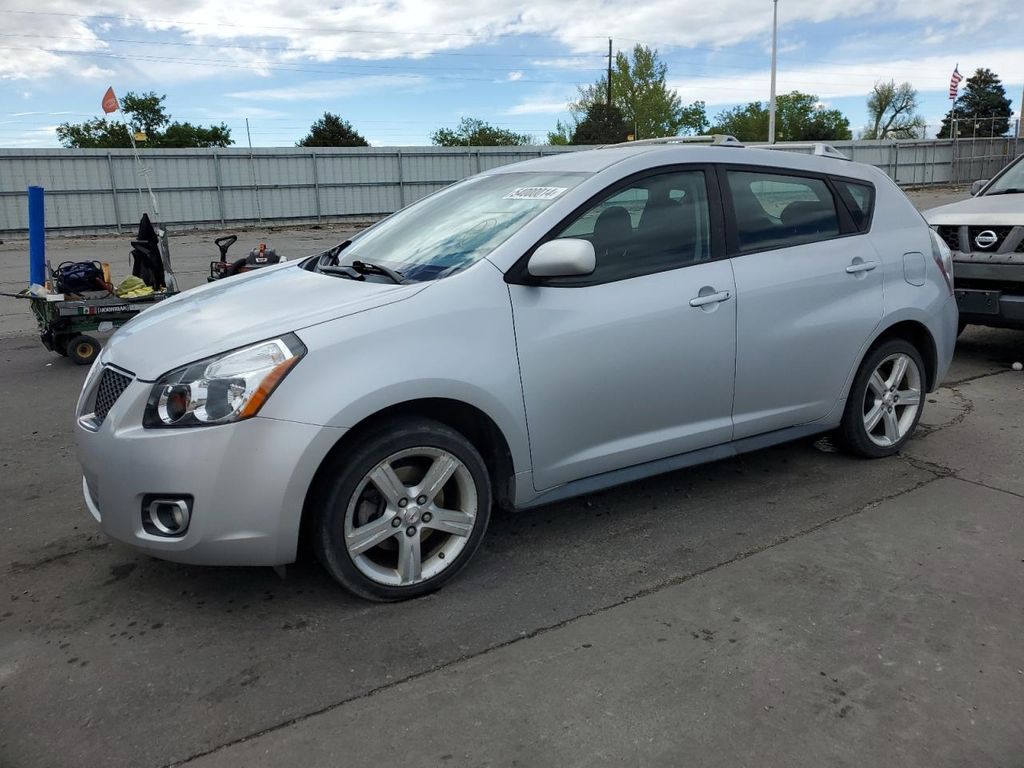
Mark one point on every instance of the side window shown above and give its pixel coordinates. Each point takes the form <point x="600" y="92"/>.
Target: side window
<point x="775" y="210"/>
<point x="859" y="199"/>
<point x="658" y="223"/>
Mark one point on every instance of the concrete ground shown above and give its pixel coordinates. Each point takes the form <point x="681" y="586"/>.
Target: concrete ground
<point x="793" y="607"/>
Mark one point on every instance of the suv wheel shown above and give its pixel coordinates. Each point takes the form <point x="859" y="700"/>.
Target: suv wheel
<point x="886" y="400"/>
<point x="402" y="512"/>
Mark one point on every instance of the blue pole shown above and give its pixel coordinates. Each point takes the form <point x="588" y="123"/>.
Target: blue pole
<point x="36" y="237"/>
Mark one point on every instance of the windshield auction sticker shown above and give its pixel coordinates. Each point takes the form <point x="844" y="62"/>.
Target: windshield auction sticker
<point x="535" y="193"/>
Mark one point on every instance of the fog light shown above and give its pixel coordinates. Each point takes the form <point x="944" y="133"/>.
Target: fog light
<point x="165" y="515"/>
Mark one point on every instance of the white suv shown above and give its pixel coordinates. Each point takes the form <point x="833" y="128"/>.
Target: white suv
<point x="986" y="236"/>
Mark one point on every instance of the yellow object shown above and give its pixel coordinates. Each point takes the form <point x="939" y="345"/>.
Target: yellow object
<point x="140" y="136"/>
<point x="132" y="288"/>
<point x="106" y="273"/>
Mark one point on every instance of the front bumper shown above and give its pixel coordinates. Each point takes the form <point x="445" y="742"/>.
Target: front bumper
<point x="990" y="293"/>
<point x="248" y="481"/>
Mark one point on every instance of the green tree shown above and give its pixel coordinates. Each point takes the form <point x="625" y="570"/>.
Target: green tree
<point x="331" y="131"/>
<point x="981" y="110"/>
<point x="603" y="124"/>
<point x="893" y="112"/>
<point x="471" y="132"/>
<point x="650" y="108"/>
<point x="144" y="113"/>
<point x="798" y="117"/>
<point x="562" y="135"/>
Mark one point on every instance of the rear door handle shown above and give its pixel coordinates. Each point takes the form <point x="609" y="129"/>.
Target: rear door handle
<point x="711" y="298"/>
<point x="862" y="266"/>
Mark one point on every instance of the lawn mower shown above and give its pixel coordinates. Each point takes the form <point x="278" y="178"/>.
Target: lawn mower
<point x="260" y="256"/>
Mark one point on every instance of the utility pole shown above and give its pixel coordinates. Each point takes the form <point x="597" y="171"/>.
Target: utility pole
<point x="609" y="71"/>
<point x="775" y="43"/>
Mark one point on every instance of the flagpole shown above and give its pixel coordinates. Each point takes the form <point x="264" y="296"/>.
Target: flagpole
<point x="143" y="171"/>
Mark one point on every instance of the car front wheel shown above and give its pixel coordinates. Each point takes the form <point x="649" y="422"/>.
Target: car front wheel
<point x="885" y="401"/>
<point x="402" y="512"/>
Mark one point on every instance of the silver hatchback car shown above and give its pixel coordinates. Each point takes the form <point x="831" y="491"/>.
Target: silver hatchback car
<point x="535" y="332"/>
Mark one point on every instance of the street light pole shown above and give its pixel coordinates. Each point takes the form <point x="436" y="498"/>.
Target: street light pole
<point x="775" y="40"/>
<point x="1020" y="120"/>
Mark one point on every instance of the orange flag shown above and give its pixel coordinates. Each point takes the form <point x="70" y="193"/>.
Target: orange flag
<point x="110" y="101"/>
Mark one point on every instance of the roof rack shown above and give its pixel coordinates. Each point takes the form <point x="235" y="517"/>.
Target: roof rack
<point x="716" y="139"/>
<point x="817" y="148"/>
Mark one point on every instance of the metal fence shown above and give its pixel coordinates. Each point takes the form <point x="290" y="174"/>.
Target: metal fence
<point x="94" y="191"/>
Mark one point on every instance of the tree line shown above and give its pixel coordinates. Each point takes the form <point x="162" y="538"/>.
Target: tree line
<point x="642" y="106"/>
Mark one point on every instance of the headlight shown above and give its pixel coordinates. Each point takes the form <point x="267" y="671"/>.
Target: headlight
<point x="222" y="389"/>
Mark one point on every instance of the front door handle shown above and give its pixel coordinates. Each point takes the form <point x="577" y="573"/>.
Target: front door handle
<point x="711" y="298"/>
<point x="861" y="266"/>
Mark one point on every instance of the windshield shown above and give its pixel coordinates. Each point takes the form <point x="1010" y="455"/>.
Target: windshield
<point x="458" y="226"/>
<point x="1011" y="181"/>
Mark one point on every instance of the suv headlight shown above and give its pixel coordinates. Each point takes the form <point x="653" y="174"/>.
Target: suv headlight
<point x="224" y="388"/>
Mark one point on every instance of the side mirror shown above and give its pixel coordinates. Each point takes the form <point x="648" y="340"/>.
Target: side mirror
<point x="977" y="186"/>
<point x="569" y="257"/>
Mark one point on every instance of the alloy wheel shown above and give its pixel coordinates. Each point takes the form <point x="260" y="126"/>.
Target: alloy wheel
<point x="410" y="516"/>
<point x="892" y="400"/>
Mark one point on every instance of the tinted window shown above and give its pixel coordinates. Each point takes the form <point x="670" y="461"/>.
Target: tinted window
<point x="860" y="199"/>
<point x="658" y="223"/>
<point x="774" y="210"/>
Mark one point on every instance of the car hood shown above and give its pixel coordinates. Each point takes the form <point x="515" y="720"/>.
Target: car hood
<point x="1006" y="210"/>
<point x="236" y="311"/>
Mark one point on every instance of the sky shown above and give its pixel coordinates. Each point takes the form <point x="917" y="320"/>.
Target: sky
<point x="399" y="69"/>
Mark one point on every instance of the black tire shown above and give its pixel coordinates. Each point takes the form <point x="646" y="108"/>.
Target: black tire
<point x="960" y="326"/>
<point x="60" y="345"/>
<point x="853" y="432"/>
<point x="343" y="476"/>
<point x="83" y="349"/>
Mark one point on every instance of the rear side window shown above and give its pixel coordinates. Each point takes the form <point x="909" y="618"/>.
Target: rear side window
<point x="859" y="199"/>
<point x="774" y="210"/>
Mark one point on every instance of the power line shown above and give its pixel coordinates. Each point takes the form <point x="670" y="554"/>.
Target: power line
<point x="342" y="53"/>
<point x="318" y="29"/>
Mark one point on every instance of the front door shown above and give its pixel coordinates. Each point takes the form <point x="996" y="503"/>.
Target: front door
<point x="634" y="362"/>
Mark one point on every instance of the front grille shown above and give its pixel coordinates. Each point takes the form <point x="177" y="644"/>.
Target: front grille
<point x="1001" y="234"/>
<point x="951" y="236"/>
<point x="111" y="385"/>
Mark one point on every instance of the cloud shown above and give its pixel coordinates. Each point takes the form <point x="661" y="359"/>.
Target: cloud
<point x="416" y="29"/>
<point x="538" y="107"/>
<point x="513" y="76"/>
<point x="316" y="90"/>
<point x="930" y="73"/>
<point x="570" y="62"/>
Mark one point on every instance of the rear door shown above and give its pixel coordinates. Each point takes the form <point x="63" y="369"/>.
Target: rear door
<point x="809" y="287"/>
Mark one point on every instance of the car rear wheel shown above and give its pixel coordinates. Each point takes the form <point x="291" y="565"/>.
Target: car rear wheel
<point x="886" y="400"/>
<point x="403" y="512"/>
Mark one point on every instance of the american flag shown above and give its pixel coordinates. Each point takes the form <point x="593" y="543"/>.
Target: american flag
<point x="954" y="81"/>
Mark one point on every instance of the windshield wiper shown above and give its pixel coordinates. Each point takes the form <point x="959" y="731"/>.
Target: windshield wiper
<point x="366" y="268"/>
<point x="348" y="272"/>
<point x="1010" y="191"/>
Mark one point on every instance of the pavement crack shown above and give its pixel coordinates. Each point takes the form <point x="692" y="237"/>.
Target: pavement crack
<point x="986" y="485"/>
<point x="978" y="377"/>
<point x="939" y="470"/>
<point x="17" y="567"/>
<point x="667" y="583"/>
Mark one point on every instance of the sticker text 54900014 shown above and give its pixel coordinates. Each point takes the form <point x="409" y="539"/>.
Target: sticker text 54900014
<point x="535" y="193"/>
